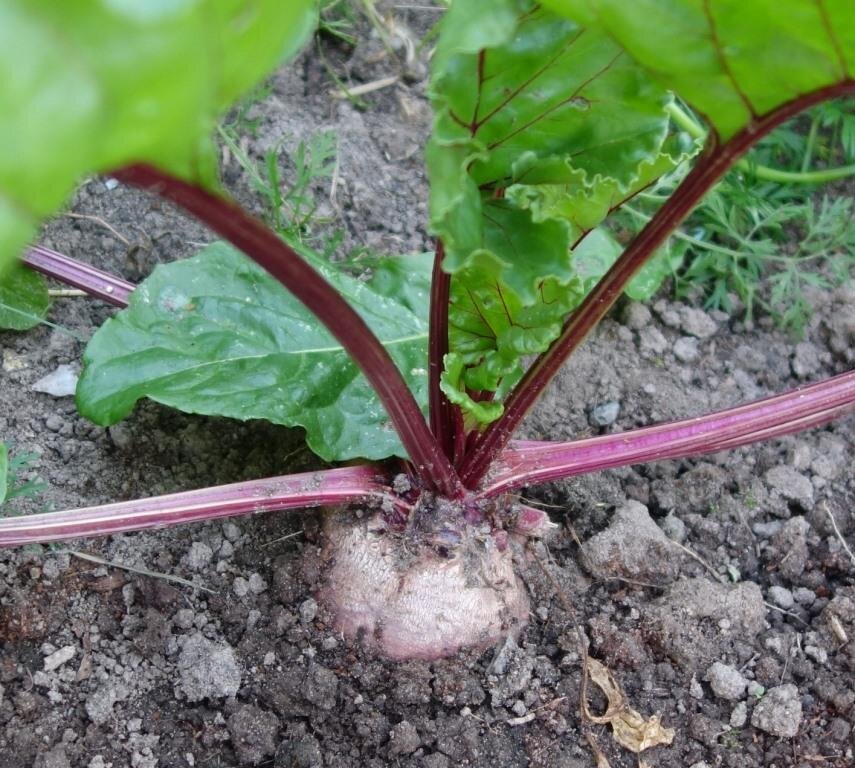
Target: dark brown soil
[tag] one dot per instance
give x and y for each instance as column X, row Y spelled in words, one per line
column 745, row 636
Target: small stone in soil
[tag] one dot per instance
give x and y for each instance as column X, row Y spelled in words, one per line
column 257, row 585
column 806, row 360
column 308, row 610
column 636, row 315
column 403, row 739
column 726, row 682
column 254, row 733
column 604, row 414
column 231, row 532
column 686, row 349
column 633, row 546
column 207, row 670
column 696, row 690
column 99, row 705
column 58, row 658
column 779, row 712
column 739, row 716
column 651, row 340
column 199, row 556
column 60, row 383
column 320, row 687
column 804, row 596
column 184, row 618
column 56, row 758
column 673, row 527
column 696, row 322
column 791, row 485
column 299, row 750
column 781, row 596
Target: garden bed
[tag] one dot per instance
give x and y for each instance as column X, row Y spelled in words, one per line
column 732, row 560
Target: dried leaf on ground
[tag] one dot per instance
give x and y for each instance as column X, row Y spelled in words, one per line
column 631, row 730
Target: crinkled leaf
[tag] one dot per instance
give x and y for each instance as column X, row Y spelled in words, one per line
column 491, row 330
column 585, row 206
column 24, row 298
column 89, row 86
column 217, row 335
column 542, row 128
column 452, row 383
column 730, row 60
column 547, row 102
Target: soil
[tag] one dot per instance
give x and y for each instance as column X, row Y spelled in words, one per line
column 718, row 591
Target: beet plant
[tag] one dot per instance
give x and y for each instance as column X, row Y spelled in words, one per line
column 548, row 117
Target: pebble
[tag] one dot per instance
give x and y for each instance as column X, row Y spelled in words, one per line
column 199, row 556
column 667, row 314
column 227, row 549
column 767, row 530
column 122, row 436
column 604, row 414
column 254, row 732
column 184, row 618
column 633, row 547
column 806, row 360
column 673, row 527
column 54, row 422
column 779, row 712
column 781, row 596
column 231, row 532
column 696, row 690
column 403, row 739
column 636, row 315
column 99, row 704
column 58, row 658
column 686, row 349
column 696, row 322
column 257, row 585
column 207, row 669
column 60, row 383
column 739, row 716
column 240, row 586
column 804, row 596
column 791, row 485
column 308, row 610
column 55, row 758
column 726, row 681
column 650, row 339
column 755, row 689
column 12, row 361
column 819, row 655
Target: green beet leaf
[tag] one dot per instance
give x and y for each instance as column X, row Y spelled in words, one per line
column 543, row 127
column 24, row 298
column 599, row 250
column 215, row 334
column 731, row 60
column 89, row 86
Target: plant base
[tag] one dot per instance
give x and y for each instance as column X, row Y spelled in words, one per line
column 422, row 593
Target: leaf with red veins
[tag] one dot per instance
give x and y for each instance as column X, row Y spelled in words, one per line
column 536, row 121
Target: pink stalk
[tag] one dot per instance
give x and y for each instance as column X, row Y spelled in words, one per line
column 309, row 489
column 441, row 414
column 528, row 462
column 271, row 252
column 93, row 281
